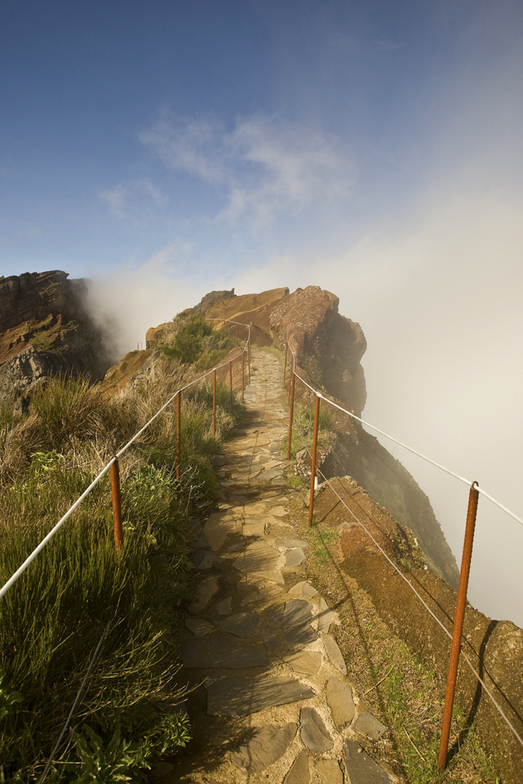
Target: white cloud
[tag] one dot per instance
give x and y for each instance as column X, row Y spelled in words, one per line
column 133, row 199
column 263, row 168
column 133, row 297
column 187, row 144
column 115, row 198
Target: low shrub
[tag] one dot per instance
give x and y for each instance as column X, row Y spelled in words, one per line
column 193, row 341
column 80, row 592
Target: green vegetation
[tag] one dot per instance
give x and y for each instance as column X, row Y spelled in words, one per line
column 42, row 341
column 79, row 605
column 303, row 429
column 193, row 341
column 322, row 542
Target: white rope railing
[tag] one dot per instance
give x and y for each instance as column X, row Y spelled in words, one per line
column 21, row 569
column 423, row 602
column 480, row 680
column 409, row 448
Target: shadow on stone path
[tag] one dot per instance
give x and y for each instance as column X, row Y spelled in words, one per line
column 273, row 702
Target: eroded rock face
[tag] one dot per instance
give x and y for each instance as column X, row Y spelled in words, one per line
column 328, row 346
column 34, row 296
column 45, row 330
column 389, row 484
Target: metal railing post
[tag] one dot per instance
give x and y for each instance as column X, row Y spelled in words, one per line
column 178, row 434
column 117, row 505
column 458, row 625
column 230, row 380
column 313, row 458
column 214, row 404
column 249, row 354
column 243, row 376
column 291, row 413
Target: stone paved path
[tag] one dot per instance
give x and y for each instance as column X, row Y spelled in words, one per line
column 274, row 703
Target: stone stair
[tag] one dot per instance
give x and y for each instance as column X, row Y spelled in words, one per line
column 271, row 701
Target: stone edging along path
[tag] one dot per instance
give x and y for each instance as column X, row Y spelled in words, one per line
column 273, row 703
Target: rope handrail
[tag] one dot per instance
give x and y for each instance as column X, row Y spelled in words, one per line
column 409, row 448
column 447, row 632
column 21, row 569
column 456, row 637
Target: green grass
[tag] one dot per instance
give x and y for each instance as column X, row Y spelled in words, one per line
column 303, row 430
column 193, row 341
column 79, row 589
column 323, row 541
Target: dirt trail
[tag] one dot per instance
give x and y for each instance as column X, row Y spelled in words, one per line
column 274, row 703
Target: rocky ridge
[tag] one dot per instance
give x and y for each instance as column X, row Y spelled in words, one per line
column 45, row 330
column 328, row 348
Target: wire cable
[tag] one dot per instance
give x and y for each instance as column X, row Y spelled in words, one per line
column 411, row 449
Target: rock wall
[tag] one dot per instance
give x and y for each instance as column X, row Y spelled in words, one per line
column 45, row 331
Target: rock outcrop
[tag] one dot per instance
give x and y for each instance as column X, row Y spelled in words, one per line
column 390, row 484
column 327, row 346
column 45, row 331
column 328, row 349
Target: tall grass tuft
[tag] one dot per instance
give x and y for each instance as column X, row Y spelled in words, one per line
column 303, row 429
column 79, row 590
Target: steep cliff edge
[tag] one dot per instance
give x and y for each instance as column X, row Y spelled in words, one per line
column 45, row 330
column 328, row 348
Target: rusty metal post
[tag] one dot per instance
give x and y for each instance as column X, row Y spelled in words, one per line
column 178, row 434
column 230, row 379
column 458, row 625
column 214, row 404
column 117, row 504
column 291, row 413
column 249, row 355
column 313, row 458
column 243, row 376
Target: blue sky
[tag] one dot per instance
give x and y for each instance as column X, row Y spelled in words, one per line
column 373, row 148
column 235, row 127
